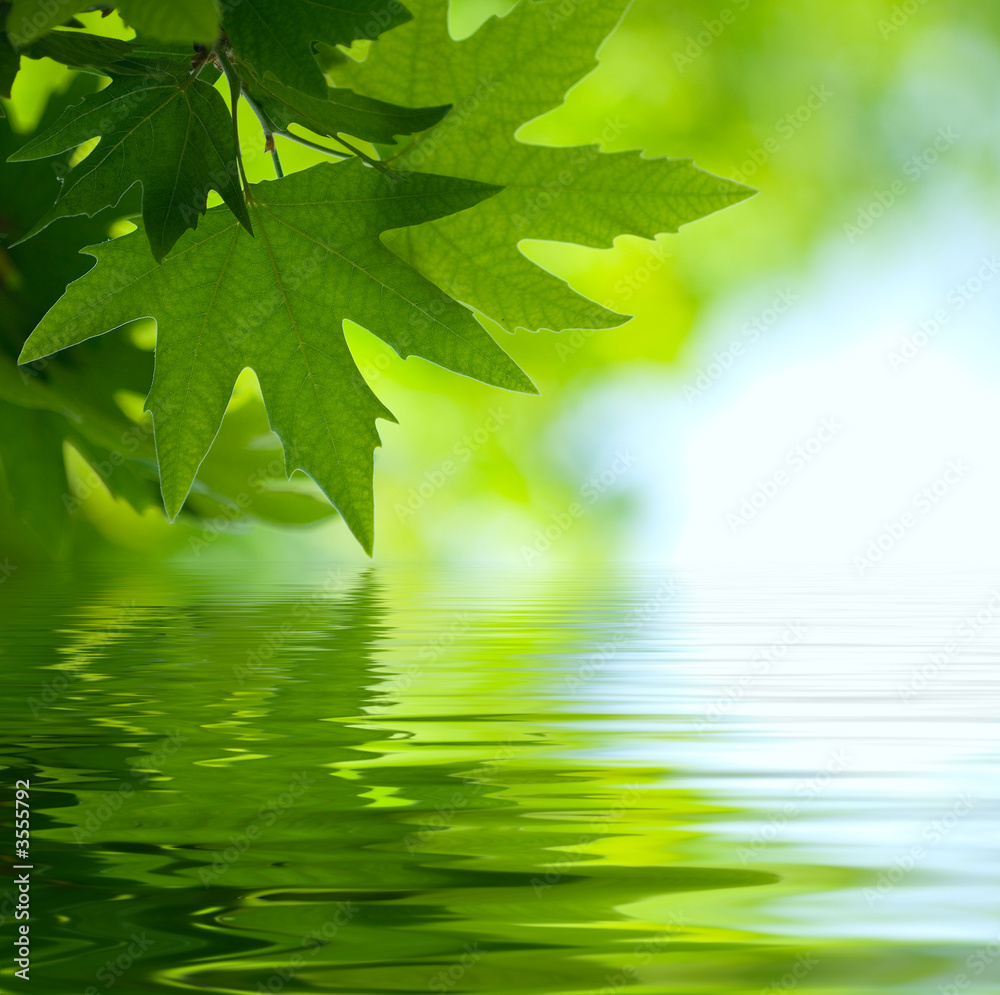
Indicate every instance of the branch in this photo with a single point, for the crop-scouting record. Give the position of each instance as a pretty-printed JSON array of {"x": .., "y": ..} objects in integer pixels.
[
  {"x": 313, "y": 145},
  {"x": 268, "y": 132},
  {"x": 234, "y": 93}
]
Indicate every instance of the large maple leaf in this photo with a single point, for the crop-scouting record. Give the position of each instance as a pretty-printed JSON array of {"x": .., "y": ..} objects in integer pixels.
[
  {"x": 513, "y": 69},
  {"x": 224, "y": 301},
  {"x": 158, "y": 126},
  {"x": 276, "y": 37}
]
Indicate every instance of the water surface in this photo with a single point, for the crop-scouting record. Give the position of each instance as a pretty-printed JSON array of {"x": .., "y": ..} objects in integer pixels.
[{"x": 388, "y": 781}]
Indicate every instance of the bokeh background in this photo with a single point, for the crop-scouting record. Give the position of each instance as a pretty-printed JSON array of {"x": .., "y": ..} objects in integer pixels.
[{"x": 800, "y": 369}]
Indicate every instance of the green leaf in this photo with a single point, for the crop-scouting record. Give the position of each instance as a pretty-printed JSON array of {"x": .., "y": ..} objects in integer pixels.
[
  {"x": 74, "y": 403},
  {"x": 276, "y": 37},
  {"x": 41, "y": 409},
  {"x": 173, "y": 20},
  {"x": 36, "y": 497},
  {"x": 224, "y": 301},
  {"x": 80, "y": 50},
  {"x": 341, "y": 112},
  {"x": 162, "y": 129},
  {"x": 10, "y": 62},
  {"x": 243, "y": 475},
  {"x": 510, "y": 71},
  {"x": 78, "y": 390},
  {"x": 28, "y": 20}
]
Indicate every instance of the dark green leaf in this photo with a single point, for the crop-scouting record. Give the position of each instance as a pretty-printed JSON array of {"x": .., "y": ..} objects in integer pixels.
[
  {"x": 75, "y": 48},
  {"x": 276, "y": 37},
  {"x": 10, "y": 62},
  {"x": 29, "y": 20},
  {"x": 342, "y": 112},
  {"x": 173, "y": 20},
  {"x": 164, "y": 130}
]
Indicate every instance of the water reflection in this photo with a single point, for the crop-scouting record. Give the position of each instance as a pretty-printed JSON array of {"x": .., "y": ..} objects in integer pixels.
[{"x": 381, "y": 782}]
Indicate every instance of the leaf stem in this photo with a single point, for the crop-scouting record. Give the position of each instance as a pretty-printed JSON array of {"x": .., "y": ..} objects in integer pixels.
[
  {"x": 234, "y": 93},
  {"x": 201, "y": 58},
  {"x": 374, "y": 163},
  {"x": 314, "y": 145},
  {"x": 265, "y": 125}
]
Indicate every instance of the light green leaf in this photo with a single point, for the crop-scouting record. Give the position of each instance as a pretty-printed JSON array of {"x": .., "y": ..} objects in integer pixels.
[
  {"x": 510, "y": 71},
  {"x": 276, "y": 37},
  {"x": 316, "y": 260},
  {"x": 163, "y": 129}
]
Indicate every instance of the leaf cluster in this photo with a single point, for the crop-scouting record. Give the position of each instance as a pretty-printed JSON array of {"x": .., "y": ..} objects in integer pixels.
[{"x": 410, "y": 229}]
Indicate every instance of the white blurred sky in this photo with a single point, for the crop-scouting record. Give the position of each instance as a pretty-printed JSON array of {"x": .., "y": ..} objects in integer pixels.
[{"x": 829, "y": 357}]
